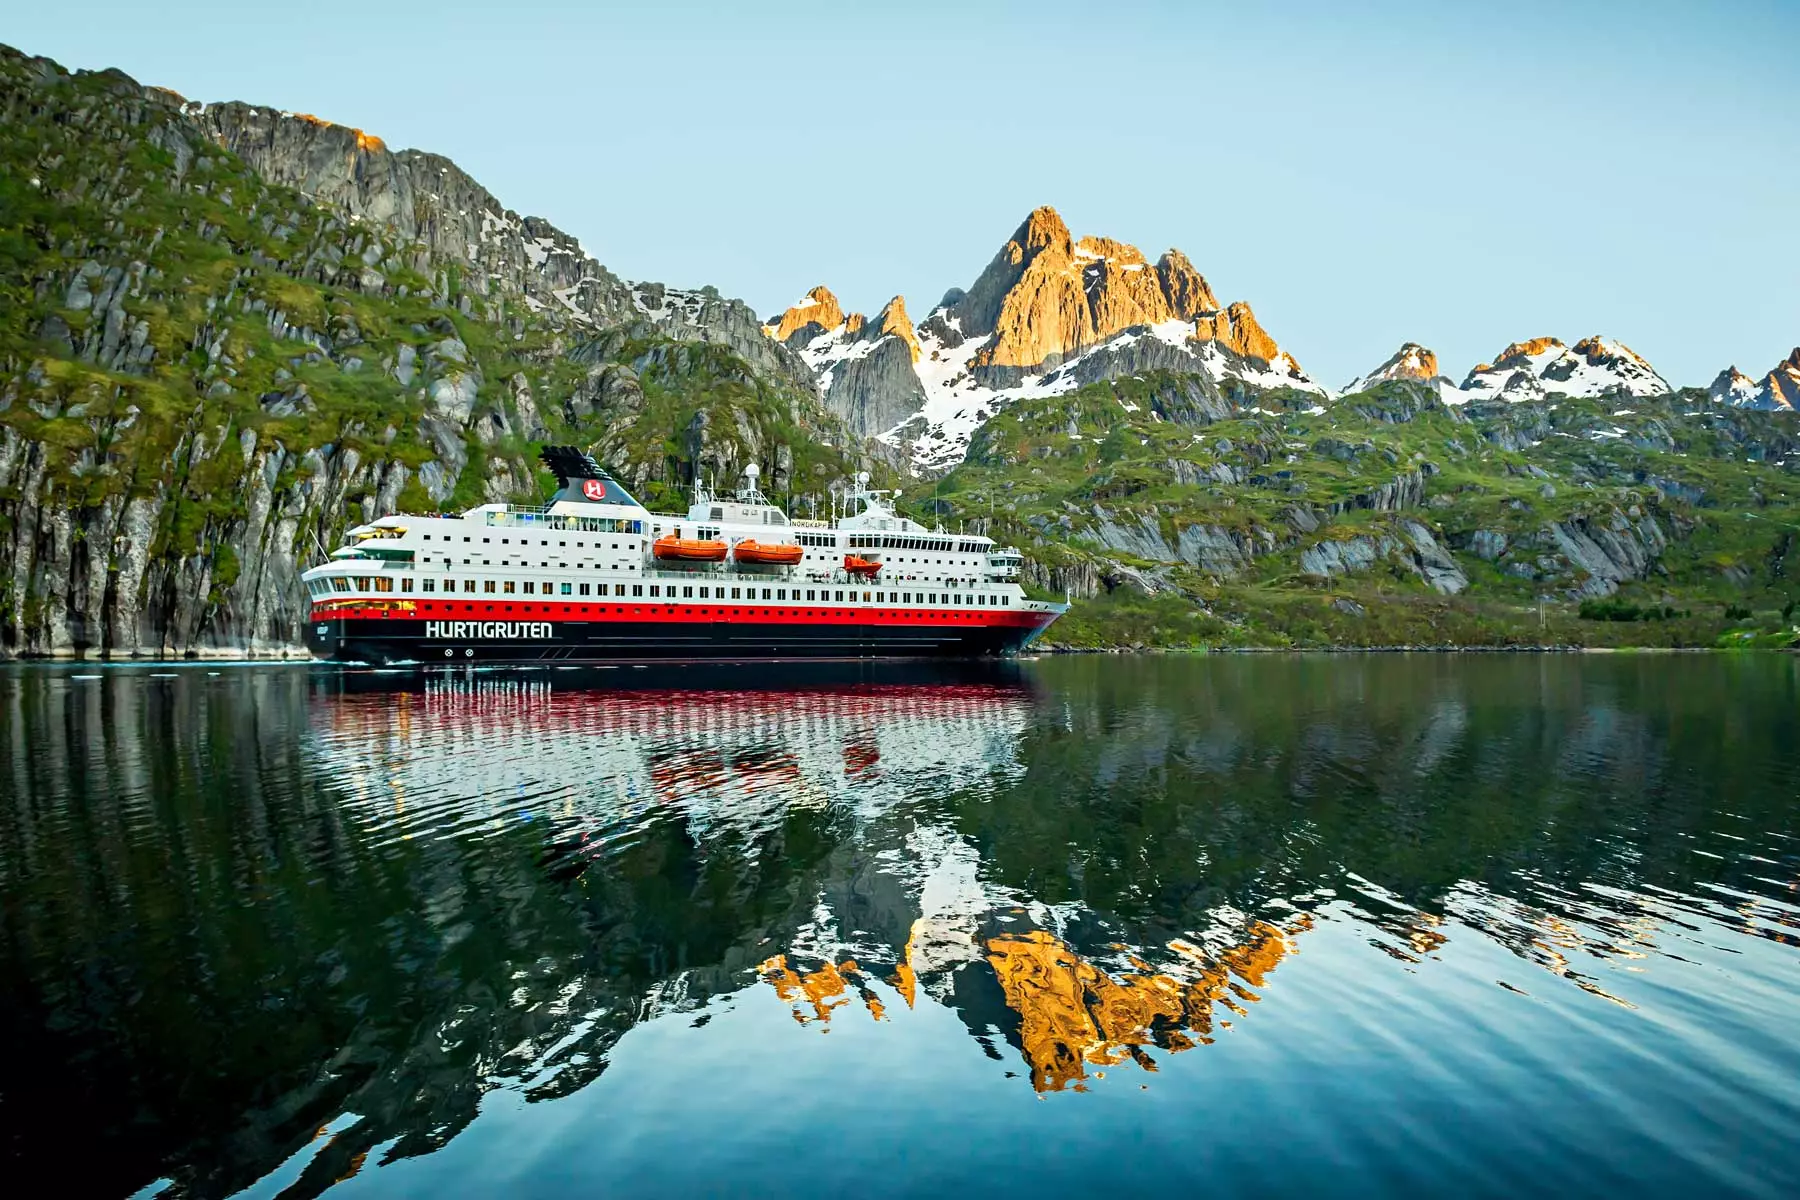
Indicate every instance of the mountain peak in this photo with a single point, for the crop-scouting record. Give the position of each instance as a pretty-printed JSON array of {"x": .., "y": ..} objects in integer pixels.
[
  {"x": 1044, "y": 229},
  {"x": 818, "y": 307},
  {"x": 1238, "y": 330},
  {"x": 1733, "y": 387},
  {"x": 1593, "y": 366},
  {"x": 1782, "y": 385},
  {"x": 1410, "y": 361},
  {"x": 1189, "y": 293},
  {"x": 892, "y": 319}
]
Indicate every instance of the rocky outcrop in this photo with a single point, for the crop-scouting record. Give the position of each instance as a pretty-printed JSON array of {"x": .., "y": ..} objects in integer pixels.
[
  {"x": 1237, "y": 330},
  {"x": 1410, "y": 546},
  {"x": 865, "y": 369},
  {"x": 1609, "y": 551},
  {"x": 876, "y": 391}
]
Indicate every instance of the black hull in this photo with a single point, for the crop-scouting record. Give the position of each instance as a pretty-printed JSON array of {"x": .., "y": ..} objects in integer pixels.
[{"x": 381, "y": 642}]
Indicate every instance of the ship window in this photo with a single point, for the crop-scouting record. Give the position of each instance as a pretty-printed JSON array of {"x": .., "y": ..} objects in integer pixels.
[
  {"x": 586, "y": 589},
  {"x": 765, "y": 594},
  {"x": 656, "y": 589},
  {"x": 487, "y": 585},
  {"x": 687, "y": 593},
  {"x": 383, "y": 584},
  {"x": 618, "y": 589},
  {"x": 809, "y": 593},
  {"x": 735, "y": 594},
  {"x": 465, "y": 539},
  {"x": 1006, "y": 601},
  {"x": 503, "y": 541},
  {"x": 567, "y": 589},
  {"x": 406, "y": 585},
  {"x": 781, "y": 593},
  {"x": 508, "y": 587},
  {"x": 339, "y": 583},
  {"x": 529, "y": 587}
]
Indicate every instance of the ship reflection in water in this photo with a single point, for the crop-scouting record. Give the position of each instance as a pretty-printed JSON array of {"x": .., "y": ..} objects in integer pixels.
[{"x": 482, "y": 932}]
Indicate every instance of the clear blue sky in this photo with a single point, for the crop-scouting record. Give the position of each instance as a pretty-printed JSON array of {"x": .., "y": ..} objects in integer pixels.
[{"x": 1363, "y": 174}]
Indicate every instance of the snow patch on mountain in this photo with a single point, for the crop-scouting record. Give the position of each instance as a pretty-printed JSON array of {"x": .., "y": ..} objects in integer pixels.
[{"x": 1541, "y": 367}]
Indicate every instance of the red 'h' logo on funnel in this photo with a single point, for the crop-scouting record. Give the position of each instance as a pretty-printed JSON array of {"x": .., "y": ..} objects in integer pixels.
[{"x": 594, "y": 489}]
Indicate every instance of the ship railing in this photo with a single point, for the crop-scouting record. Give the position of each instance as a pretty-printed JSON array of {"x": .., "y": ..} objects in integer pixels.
[{"x": 538, "y": 518}]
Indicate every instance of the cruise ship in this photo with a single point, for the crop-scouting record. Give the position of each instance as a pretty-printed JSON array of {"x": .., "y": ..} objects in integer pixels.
[{"x": 595, "y": 577}]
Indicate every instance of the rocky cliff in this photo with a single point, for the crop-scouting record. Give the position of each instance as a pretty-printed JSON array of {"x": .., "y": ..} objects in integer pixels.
[
  {"x": 864, "y": 369},
  {"x": 225, "y": 333}
]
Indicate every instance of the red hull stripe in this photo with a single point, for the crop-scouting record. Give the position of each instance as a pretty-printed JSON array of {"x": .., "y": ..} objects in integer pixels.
[{"x": 694, "y": 612}]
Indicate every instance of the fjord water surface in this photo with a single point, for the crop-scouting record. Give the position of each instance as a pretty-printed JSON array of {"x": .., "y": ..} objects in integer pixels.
[{"x": 1365, "y": 925}]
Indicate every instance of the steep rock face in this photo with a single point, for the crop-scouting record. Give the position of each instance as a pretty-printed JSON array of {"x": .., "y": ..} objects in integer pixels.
[
  {"x": 1188, "y": 292},
  {"x": 1236, "y": 329},
  {"x": 1544, "y": 366},
  {"x": 1411, "y": 361},
  {"x": 977, "y": 311},
  {"x": 878, "y": 390},
  {"x": 1410, "y": 546},
  {"x": 864, "y": 368}
]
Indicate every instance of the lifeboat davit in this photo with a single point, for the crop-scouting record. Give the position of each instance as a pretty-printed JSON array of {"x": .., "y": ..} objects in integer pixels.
[
  {"x": 857, "y": 565},
  {"x": 777, "y": 555},
  {"x": 688, "y": 549}
]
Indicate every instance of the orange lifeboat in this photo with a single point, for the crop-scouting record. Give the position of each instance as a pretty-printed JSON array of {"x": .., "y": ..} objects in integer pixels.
[
  {"x": 778, "y": 555},
  {"x": 858, "y": 565},
  {"x": 688, "y": 549}
]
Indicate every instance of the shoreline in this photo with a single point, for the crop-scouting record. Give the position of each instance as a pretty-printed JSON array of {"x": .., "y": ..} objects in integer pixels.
[
  {"x": 299, "y": 656},
  {"x": 168, "y": 655}
]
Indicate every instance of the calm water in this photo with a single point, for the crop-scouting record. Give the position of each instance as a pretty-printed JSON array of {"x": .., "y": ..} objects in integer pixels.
[{"x": 1489, "y": 925}]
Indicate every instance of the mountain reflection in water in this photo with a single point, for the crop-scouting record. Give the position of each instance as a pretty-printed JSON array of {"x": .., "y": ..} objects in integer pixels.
[{"x": 284, "y": 928}]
